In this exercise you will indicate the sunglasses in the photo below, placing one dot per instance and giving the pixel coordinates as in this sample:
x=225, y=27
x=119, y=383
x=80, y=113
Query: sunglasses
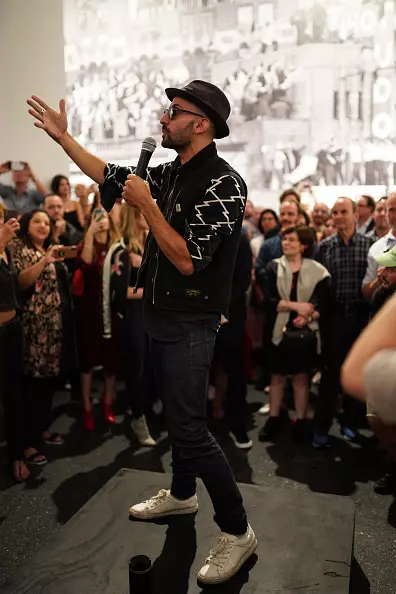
x=171, y=112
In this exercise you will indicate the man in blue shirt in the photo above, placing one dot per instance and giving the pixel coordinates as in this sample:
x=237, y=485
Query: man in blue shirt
x=272, y=248
x=18, y=196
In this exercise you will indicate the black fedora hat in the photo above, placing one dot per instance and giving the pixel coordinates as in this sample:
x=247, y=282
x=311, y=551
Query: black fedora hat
x=210, y=99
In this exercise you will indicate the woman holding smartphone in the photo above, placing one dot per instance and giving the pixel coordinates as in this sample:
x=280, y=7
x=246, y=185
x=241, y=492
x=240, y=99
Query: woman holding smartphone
x=93, y=349
x=39, y=268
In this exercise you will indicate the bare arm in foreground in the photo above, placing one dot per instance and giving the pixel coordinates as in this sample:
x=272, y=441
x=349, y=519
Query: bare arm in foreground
x=380, y=334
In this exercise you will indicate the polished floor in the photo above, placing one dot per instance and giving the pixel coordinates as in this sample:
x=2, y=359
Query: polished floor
x=33, y=512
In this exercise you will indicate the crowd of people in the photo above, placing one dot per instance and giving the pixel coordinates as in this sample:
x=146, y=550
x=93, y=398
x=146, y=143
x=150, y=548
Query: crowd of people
x=360, y=162
x=67, y=272
x=305, y=286
x=261, y=91
x=111, y=104
x=107, y=104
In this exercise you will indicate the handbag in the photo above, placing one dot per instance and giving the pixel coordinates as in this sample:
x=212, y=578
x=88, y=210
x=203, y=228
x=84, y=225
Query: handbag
x=301, y=342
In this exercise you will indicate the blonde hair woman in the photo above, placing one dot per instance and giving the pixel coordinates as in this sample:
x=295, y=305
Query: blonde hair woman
x=93, y=350
x=119, y=298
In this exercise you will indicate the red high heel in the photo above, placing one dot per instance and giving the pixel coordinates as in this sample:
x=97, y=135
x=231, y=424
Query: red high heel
x=88, y=421
x=108, y=414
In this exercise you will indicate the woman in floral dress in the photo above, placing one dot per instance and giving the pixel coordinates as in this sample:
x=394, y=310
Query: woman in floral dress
x=36, y=262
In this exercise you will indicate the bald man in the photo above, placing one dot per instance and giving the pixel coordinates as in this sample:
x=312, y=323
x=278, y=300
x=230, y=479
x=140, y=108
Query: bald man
x=345, y=257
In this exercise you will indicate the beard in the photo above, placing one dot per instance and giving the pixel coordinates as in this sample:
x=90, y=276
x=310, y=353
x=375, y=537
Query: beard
x=178, y=140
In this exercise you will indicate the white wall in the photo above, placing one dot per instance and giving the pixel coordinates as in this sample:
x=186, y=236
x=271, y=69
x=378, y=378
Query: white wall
x=32, y=62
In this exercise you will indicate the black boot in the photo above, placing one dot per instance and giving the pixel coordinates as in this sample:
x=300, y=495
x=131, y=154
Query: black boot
x=271, y=429
x=386, y=485
x=299, y=432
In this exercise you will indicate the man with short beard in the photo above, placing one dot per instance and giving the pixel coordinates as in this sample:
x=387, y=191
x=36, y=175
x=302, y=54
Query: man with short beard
x=345, y=256
x=186, y=275
x=320, y=213
x=63, y=232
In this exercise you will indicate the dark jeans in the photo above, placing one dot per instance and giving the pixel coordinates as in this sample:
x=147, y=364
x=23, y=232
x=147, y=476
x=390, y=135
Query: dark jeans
x=343, y=332
x=182, y=371
x=39, y=392
x=230, y=351
x=135, y=347
x=11, y=370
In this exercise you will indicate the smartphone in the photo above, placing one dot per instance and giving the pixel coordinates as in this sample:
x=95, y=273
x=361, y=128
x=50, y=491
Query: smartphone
x=16, y=165
x=98, y=214
x=10, y=214
x=67, y=252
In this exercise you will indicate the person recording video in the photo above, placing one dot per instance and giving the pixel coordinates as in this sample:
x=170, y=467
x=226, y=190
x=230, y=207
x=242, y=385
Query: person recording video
x=19, y=197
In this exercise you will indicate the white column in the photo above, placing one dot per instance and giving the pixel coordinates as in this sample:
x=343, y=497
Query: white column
x=31, y=46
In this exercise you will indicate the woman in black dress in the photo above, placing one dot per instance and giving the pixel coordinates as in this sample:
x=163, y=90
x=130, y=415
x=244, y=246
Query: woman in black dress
x=296, y=302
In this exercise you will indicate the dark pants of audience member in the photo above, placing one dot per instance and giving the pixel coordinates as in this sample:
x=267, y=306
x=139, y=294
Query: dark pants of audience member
x=135, y=350
x=11, y=371
x=230, y=350
x=39, y=393
x=182, y=371
x=69, y=369
x=343, y=331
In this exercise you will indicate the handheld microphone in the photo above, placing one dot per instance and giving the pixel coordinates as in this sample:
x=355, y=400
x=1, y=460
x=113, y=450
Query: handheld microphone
x=148, y=147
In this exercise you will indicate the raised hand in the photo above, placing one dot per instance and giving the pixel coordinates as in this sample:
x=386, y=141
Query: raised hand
x=8, y=231
x=97, y=226
x=52, y=254
x=53, y=122
x=5, y=167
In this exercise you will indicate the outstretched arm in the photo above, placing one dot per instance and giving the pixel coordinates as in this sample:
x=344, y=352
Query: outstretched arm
x=55, y=124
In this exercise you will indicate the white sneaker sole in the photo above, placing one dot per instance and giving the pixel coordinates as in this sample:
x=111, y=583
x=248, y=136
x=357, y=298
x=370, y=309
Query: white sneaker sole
x=173, y=512
x=242, y=561
x=264, y=410
x=241, y=446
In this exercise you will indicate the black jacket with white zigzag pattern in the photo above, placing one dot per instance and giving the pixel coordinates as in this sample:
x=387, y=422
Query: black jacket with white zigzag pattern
x=203, y=200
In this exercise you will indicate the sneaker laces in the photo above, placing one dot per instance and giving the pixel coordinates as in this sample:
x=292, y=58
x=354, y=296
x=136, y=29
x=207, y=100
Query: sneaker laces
x=157, y=499
x=220, y=553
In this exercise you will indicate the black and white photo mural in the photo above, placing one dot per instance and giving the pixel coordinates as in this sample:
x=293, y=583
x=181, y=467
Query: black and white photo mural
x=312, y=84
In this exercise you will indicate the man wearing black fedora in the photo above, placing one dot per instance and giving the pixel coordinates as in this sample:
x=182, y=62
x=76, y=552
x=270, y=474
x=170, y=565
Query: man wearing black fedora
x=195, y=222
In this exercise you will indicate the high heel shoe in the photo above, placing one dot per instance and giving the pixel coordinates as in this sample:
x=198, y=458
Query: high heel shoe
x=108, y=414
x=88, y=421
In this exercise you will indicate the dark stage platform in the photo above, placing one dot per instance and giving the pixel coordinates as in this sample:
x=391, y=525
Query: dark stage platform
x=305, y=544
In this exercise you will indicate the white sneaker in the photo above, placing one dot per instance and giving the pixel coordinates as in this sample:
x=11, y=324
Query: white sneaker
x=227, y=557
x=163, y=504
x=141, y=431
x=264, y=410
